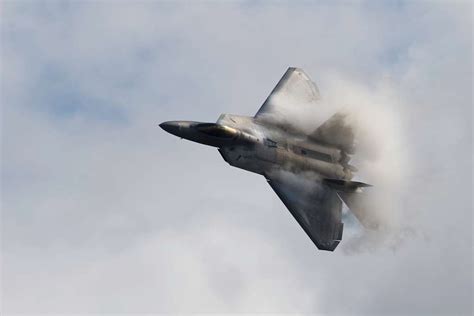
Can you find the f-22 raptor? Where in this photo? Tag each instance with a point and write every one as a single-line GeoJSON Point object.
{"type": "Point", "coordinates": [310, 172]}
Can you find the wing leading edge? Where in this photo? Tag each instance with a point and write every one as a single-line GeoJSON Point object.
{"type": "Point", "coordinates": [315, 206]}
{"type": "Point", "coordinates": [295, 89]}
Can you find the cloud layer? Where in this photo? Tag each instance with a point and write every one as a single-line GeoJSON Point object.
{"type": "Point", "coordinates": [104, 212]}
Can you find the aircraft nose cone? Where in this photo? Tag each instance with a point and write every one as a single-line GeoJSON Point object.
{"type": "Point", "coordinates": [171, 127]}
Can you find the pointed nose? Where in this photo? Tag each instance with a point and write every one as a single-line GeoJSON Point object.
{"type": "Point", "coordinates": [171, 127]}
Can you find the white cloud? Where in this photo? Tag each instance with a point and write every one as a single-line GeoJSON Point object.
{"type": "Point", "coordinates": [104, 212]}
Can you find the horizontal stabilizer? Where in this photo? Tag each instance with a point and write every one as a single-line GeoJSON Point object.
{"type": "Point", "coordinates": [361, 203]}
{"type": "Point", "coordinates": [344, 185]}
{"type": "Point", "coordinates": [363, 208]}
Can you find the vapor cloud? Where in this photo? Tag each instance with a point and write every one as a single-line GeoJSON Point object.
{"type": "Point", "coordinates": [381, 152]}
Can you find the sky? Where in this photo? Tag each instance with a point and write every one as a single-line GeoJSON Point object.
{"type": "Point", "coordinates": [104, 212]}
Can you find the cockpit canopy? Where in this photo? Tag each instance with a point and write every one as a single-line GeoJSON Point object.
{"type": "Point", "coordinates": [216, 130]}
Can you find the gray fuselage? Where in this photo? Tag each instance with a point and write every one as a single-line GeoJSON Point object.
{"type": "Point", "coordinates": [264, 148]}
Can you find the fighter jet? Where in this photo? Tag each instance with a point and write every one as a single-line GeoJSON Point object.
{"type": "Point", "coordinates": [310, 172]}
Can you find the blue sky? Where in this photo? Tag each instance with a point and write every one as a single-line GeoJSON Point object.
{"type": "Point", "coordinates": [104, 212]}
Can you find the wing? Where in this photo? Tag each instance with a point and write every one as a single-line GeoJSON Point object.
{"type": "Point", "coordinates": [315, 206]}
{"type": "Point", "coordinates": [295, 89]}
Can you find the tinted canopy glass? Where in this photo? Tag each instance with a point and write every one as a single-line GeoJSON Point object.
{"type": "Point", "coordinates": [216, 130]}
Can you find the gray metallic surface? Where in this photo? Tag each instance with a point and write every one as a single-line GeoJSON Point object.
{"type": "Point", "coordinates": [310, 173]}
